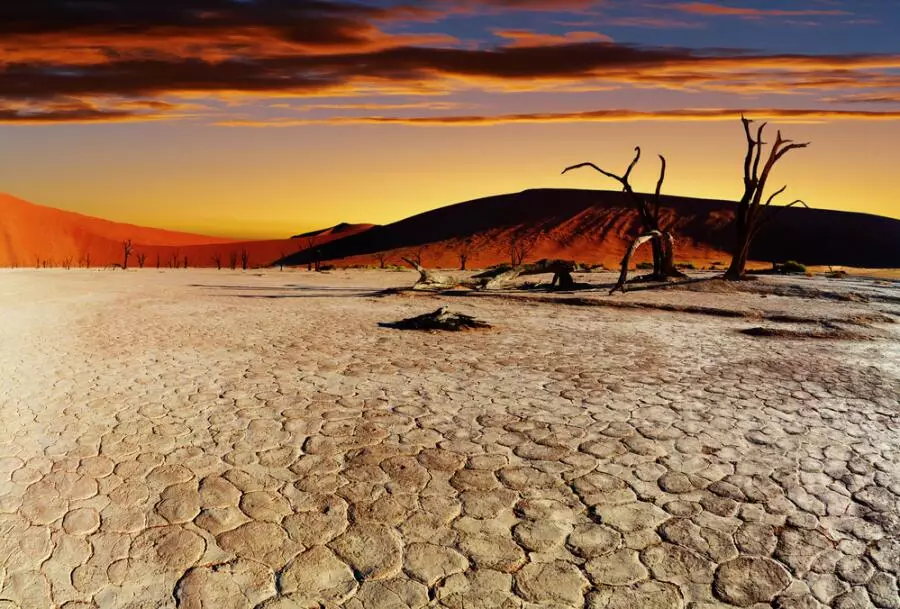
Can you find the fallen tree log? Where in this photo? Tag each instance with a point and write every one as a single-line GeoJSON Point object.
{"type": "Point", "coordinates": [562, 274]}
{"type": "Point", "coordinates": [429, 280]}
{"type": "Point", "coordinates": [496, 278]}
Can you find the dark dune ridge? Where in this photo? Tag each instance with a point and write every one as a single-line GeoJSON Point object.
{"type": "Point", "coordinates": [595, 226]}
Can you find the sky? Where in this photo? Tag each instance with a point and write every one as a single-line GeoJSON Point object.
{"type": "Point", "coordinates": [264, 118]}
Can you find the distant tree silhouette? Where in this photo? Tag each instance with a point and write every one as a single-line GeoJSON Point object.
{"type": "Point", "coordinates": [752, 214]}
{"type": "Point", "coordinates": [281, 255]}
{"type": "Point", "coordinates": [313, 260]}
{"type": "Point", "coordinates": [67, 262]}
{"type": "Point", "coordinates": [650, 213]}
{"type": "Point", "coordinates": [417, 255]}
{"type": "Point", "coordinates": [126, 249]}
{"type": "Point", "coordinates": [185, 262]}
{"type": "Point", "coordinates": [157, 261]}
{"type": "Point", "coordinates": [86, 260]}
{"type": "Point", "coordinates": [217, 260]}
{"type": "Point", "coordinates": [141, 258]}
{"type": "Point", "coordinates": [245, 259]}
{"type": "Point", "coordinates": [381, 257]}
{"type": "Point", "coordinates": [174, 262]}
{"type": "Point", "coordinates": [464, 251]}
{"type": "Point", "coordinates": [520, 245]}
{"type": "Point", "coordinates": [232, 260]}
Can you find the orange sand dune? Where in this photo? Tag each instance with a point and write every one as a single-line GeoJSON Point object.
{"type": "Point", "coordinates": [33, 235]}
{"type": "Point", "coordinates": [593, 226]}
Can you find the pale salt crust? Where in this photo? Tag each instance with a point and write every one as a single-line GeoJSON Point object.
{"type": "Point", "coordinates": [227, 439]}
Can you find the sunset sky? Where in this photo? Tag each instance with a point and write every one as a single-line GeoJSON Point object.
{"type": "Point", "coordinates": [261, 118]}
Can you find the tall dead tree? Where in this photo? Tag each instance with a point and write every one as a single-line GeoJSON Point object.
{"type": "Point", "coordinates": [232, 260]}
{"type": "Point", "coordinates": [752, 214]}
{"type": "Point", "coordinates": [245, 259]}
{"type": "Point", "coordinates": [141, 258]}
{"type": "Point", "coordinates": [126, 249]}
{"type": "Point", "coordinates": [217, 260]}
{"type": "Point", "coordinates": [382, 258]}
{"type": "Point", "coordinates": [649, 212]}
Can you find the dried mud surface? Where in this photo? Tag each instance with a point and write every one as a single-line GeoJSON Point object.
{"type": "Point", "coordinates": [203, 439]}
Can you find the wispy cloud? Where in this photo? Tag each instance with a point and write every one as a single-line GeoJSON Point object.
{"type": "Point", "coordinates": [714, 9]}
{"type": "Point", "coordinates": [618, 115]}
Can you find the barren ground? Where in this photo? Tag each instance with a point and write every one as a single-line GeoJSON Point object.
{"type": "Point", "coordinates": [226, 439]}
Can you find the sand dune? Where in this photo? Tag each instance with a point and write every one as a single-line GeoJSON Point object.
{"type": "Point", "coordinates": [596, 226]}
{"type": "Point", "coordinates": [586, 225]}
{"type": "Point", "coordinates": [33, 235]}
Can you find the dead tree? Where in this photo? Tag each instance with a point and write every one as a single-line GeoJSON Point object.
{"type": "Point", "coordinates": [495, 278]}
{"type": "Point", "coordinates": [127, 249]}
{"type": "Point", "coordinates": [217, 260]}
{"type": "Point", "coordinates": [464, 251]}
{"type": "Point", "coordinates": [500, 277]}
{"type": "Point", "coordinates": [416, 256]}
{"type": "Point", "coordinates": [67, 262]}
{"type": "Point", "coordinates": [245, 259]}
{"type": "Point", "coordinates": [86, 260]}
{"type": "Point", "coordinates": [520, 245]}
{"type": "Point", "coordinates": [173, 263]}
{"type": "Point", "coordinates": [381, 257]}
{"type": "Point", "coordinates": [232, 260]}
{"type": "Point", "coordinates": [185, 262]}
{"type": "Point", "coordinates": [752, 214]}
{"type": "Point", "coordinates": [141, 258]}
{"type": "Point", "coordinates": [312, 260]}
{"type": "Point", "coordinates": [280, 261]}
{"type": "Point", "coordinates": [157, 261]}
{"type": "Point", "coordinates": [649, 212]}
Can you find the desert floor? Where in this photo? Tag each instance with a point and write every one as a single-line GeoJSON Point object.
{"type": "Point", "coordinates": [226, 439]}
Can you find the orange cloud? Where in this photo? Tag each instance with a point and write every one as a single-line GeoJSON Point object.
{"type": "Point", "coordinates": [529, 38]}
{"type": "Point", "coordinates": [709, 8]}
{"type": "Point", "coordinates": [619, 115]}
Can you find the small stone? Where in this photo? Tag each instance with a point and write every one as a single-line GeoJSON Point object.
{"type": "Point", "coordinates": [748, 580]}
